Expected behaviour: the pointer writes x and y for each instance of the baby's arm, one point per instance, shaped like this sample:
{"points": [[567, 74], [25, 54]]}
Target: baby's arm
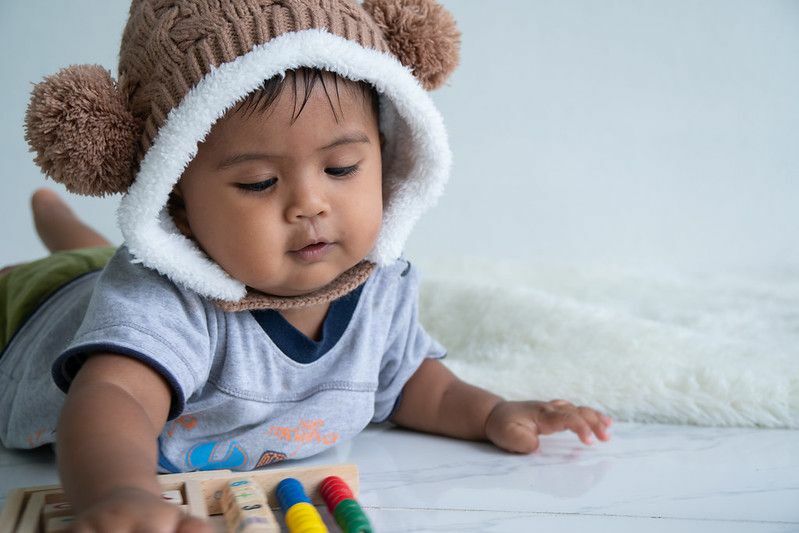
{"points": [[107, 447], [434, 400]]}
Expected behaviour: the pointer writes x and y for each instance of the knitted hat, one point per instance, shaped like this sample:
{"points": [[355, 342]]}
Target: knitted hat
{"points": [[184, 63]]}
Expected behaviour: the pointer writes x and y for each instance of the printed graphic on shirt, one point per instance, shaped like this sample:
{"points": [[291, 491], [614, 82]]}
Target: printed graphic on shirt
{"points": [[188, 422], [217, 456], [307, 431], [35, 438], [270, 457]]}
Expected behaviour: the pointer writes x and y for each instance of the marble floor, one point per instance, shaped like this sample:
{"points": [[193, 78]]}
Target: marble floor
{"points": [[646, 478]]}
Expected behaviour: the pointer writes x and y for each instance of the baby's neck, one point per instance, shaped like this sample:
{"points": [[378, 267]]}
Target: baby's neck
{"points": [[308, 320]]}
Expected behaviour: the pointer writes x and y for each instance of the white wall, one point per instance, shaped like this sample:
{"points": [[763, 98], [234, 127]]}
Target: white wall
{"points": [[620, 132]]}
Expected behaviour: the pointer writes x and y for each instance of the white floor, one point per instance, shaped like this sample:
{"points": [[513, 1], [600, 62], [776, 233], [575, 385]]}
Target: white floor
{"points": [[647, 478]]}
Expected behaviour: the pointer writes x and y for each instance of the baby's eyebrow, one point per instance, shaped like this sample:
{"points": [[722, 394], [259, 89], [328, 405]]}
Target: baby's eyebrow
{"points": [[347, 138]]}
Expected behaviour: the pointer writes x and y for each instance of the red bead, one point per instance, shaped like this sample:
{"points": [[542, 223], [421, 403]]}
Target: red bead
{"points": [[334, 490]]}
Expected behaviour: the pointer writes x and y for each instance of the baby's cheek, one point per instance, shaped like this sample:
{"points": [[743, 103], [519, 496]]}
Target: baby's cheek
{"points": [[371, 231], [363, 222]]}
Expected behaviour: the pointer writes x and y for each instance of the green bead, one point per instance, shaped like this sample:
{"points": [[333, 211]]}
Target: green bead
{"points": [[350, 517]]}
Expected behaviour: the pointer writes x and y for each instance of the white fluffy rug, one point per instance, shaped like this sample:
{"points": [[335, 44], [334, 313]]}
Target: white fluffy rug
{"points": [[718, 350]]}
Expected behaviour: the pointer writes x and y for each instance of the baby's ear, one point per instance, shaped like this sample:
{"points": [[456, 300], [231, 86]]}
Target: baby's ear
{"points": [[176, 191], [176, 208]]}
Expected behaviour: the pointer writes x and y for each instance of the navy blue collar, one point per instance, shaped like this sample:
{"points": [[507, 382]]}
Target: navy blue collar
{"points": [[294, 343]]}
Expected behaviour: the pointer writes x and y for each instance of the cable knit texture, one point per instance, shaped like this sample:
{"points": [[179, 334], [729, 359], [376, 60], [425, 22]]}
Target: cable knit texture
{"points": [[169, 46]]}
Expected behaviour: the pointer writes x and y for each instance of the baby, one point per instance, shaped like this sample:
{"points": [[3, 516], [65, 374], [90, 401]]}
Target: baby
{"points": [[274, 157]]}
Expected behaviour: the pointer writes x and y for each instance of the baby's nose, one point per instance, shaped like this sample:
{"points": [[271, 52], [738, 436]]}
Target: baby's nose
{"points": [[306, 201]]}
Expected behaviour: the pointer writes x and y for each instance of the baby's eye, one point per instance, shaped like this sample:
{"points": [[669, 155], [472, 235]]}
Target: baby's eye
{"points": [[257, 187], [343, 171]]}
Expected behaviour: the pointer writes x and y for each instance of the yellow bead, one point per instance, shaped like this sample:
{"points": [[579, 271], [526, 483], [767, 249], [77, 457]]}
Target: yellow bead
{"points": [[303, 517]]}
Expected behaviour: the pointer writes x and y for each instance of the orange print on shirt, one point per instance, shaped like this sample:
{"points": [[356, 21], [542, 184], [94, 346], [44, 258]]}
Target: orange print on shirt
{"points": [[307, 431], [187, 421], [35, 438]]}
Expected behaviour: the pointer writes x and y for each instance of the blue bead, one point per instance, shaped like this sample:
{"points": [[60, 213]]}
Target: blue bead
{"points": [[290, 492]]}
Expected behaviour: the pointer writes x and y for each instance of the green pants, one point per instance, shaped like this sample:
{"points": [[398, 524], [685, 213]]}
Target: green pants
{"points": [[25, 287]]}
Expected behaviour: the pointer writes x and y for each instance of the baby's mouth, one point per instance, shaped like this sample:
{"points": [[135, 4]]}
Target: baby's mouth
{"points": [[311, 243], [313, 252], [313, 247]]}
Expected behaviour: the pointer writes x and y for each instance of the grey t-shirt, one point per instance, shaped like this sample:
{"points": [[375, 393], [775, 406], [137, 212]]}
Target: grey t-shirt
{"points": [[248, 389]]}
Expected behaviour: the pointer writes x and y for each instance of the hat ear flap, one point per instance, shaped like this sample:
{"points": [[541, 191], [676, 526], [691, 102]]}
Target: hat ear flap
{"points": [[80, 127], [422, 34]]}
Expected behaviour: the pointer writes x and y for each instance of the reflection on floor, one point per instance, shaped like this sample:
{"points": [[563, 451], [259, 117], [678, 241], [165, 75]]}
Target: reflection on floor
{"points": [[646, 478]]}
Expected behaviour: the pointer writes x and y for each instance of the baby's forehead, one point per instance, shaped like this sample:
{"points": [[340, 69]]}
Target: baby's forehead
{"points": [[293, 121], [298, 86], [282, 102]]}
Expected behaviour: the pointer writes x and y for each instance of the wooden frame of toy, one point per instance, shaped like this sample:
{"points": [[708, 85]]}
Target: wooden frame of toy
{"points": [[232, 501]]}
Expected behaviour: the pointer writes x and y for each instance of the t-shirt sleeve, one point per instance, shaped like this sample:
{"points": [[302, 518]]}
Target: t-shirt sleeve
{"points": [[408, 345], [136, 312]]}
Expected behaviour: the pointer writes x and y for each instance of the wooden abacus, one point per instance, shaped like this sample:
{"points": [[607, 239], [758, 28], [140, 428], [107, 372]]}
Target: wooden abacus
{"points": [[201, 494]]}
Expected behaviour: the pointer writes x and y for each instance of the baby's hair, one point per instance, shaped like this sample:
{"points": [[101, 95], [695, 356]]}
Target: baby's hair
{"points": [[262, 98]]}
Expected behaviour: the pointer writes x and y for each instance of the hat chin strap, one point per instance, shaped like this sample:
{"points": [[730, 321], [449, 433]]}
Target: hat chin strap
{"points": [[344, 284]]}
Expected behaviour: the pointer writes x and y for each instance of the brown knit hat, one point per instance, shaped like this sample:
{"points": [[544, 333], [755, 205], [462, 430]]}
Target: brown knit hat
{"points": [[184, 63]]}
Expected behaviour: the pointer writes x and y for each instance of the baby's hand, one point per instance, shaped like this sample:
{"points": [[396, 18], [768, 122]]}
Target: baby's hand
{"points": [[133, 509], [515, 426]]}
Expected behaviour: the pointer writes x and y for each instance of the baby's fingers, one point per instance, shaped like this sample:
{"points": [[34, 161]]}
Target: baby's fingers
{"points": [[597, 422], [191, 524], [579, 425], [567, 418]]}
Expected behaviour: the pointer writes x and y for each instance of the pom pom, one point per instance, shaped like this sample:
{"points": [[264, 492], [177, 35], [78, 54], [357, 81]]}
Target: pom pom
{"points": [[82, 131], [422, 34]]}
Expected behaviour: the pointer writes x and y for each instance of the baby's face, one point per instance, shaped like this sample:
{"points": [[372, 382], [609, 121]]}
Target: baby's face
{"points": [[251, 214]]}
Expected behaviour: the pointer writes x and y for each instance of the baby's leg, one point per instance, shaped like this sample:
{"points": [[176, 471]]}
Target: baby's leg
{"points": [[9, 268], [57, 225]]}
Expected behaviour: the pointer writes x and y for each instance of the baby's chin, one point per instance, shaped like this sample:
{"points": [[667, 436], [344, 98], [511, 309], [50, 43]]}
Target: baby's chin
{"points": [[303, 284]]}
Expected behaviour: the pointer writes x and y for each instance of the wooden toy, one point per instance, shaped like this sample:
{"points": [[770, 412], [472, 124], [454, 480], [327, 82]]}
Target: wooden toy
{"points": [[231, 501], [245, 507]]}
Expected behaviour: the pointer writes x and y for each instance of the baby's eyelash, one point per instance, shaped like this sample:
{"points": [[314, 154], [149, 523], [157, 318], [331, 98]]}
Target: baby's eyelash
{"points": [[257, 187], [264, 185], [343, 171]]}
